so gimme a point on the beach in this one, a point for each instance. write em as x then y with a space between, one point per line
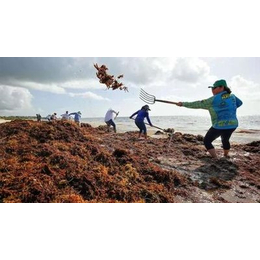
248 130
61 162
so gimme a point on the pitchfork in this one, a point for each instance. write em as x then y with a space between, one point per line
150 99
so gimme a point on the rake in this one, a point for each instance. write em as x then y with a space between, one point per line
150 99
153 126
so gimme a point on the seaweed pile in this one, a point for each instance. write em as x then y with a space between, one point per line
61 162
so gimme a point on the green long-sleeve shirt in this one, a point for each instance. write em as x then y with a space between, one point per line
222 108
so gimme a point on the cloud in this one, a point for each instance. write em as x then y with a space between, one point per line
190 70
13 98
60 88
170 78
159 71
140 70
245 88
52 88
83 84
89 95
45 70
57 74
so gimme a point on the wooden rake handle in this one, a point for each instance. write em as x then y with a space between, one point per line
165 101
152 126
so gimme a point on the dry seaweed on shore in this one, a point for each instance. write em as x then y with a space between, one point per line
61 162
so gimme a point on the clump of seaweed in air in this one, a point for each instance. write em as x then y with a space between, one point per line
109 80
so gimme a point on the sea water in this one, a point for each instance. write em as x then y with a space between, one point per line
248 130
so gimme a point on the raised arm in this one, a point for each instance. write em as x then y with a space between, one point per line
202 104
134 114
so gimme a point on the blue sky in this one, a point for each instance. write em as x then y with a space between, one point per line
46 85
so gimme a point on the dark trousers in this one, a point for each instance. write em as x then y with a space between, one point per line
111 122
141 126
213 134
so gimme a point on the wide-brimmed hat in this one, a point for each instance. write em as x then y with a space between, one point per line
219 83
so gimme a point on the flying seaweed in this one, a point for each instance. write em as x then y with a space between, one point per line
109 80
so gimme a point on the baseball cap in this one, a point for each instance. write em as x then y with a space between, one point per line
219 83
146 107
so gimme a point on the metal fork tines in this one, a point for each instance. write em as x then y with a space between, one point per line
147 98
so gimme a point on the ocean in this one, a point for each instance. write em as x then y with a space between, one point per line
248 130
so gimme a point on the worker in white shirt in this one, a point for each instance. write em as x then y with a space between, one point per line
65 116
109 119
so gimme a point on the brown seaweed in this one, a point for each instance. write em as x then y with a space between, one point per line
61 162
109 80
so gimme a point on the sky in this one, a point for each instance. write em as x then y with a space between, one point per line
47 84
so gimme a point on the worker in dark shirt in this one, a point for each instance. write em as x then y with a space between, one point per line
139 120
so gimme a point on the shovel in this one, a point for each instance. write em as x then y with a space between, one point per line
150 99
